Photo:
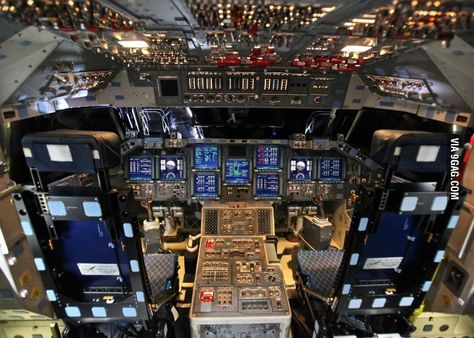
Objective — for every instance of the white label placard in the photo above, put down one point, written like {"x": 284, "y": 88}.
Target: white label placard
{"x": 27, "y": 152}
{"x": 59, "y": 153}
{"x": 382, "y": 263}
{"x": 91, "y": 269}
{"x": 427, "y": 153}
{"x": 175, "y": 313}
{"x": 3, "y": 244}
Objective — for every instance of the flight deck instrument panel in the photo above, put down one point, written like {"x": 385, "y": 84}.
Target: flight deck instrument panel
{"x": 236, "y": 288}
{"x": 246, "y": 170}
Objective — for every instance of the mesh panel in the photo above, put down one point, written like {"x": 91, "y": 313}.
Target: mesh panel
{"x": 160, "y": 269}
{"x": 263, "y": 221}
{"x": 210, "y": 228}
{"x": 321, "y": 267}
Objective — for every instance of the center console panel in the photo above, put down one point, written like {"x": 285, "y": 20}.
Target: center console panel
{"x": 235, "y": 283}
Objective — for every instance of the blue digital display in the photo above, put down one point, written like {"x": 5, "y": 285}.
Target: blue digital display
{"x": 301, "y": 169}
{"x": 171, "y": 168}
{"x": 267, "y": 185}
{"x": 206, "y": 185}
{"x": 267, "y": 157}
{"x": 330, "y": 169}
{"x": 140, "y": 168}
{"x": 237, "y": 171}
{"x": 206, "y": 157}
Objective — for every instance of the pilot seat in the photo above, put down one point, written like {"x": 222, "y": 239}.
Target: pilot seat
{"x": 396, "y": 239}
{"x": 86, "y": 240}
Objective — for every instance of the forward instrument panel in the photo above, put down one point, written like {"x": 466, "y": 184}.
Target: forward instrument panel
{"x": 242, "y": 170}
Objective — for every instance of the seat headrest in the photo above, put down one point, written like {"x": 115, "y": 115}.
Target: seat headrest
{"x": 71, "y": 151}
{"x": 411, "y": 151}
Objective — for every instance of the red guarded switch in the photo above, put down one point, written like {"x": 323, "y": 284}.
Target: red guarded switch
{"x": 206, "y": 296}
{"x": 210, "y": 243}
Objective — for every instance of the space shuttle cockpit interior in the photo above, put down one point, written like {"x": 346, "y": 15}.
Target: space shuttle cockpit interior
{"x": 236, "y": 169}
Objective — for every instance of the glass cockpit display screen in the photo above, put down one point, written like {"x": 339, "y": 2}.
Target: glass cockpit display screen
{"x": 206, "y": 157}
{"x": 267, "y": 185}
{"x": 267, "y": 157}
{"x": 140, "y": 168}
{"x": 330, "y": 169}
{"x": 237, "y": 171}
{"x": 205, "y": 185}
{"x": 171, "y": 168}
{"x": 301, "y": 169}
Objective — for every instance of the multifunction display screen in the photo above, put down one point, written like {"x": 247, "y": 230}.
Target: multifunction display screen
{"x": 267, "y": 185}
{"x": 171, "y": 168}
{"x": 330, "y": 169}
{"x": 206, "y": 185}
{"x": 140, "y": 168}
{"x": 301, "y": 169}
{"x": 237, "y": 171}
{"x": 206, "y": 157}
{"x": 267, "y": 157}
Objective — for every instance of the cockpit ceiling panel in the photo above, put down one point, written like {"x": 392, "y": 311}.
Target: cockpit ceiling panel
{"x": 418, "y": 65}
{"x": 315, "y": 50}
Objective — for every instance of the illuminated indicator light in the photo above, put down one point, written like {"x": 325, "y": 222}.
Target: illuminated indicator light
{"x": 133, "y": 43}
{"x": 355, "y": 49}
{"x": 362, "y": 20}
